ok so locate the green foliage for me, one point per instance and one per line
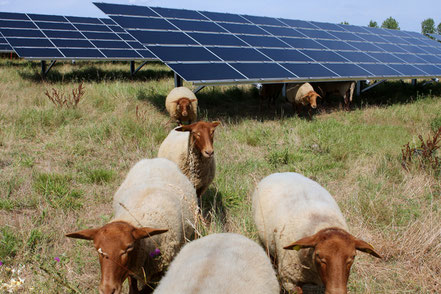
(34, 239)
(9, 243)
(100, 175)
(436, 123)
(57, 190)
(373, 24)
(390, 23)
(438, 29)
(428, 26)
(344, 22)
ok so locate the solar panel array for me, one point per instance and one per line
(4, 45)
(37, 36)
(436, 37)
(209, 47)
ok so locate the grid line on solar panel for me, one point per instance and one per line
(47, 34)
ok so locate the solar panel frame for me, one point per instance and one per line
(329, 49)
(65, 36)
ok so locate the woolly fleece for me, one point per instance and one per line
(287, 207)
(156, 194)
(200, 170)
(295, 93)
(219, 264)
(176, 94)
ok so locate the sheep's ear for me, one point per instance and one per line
(307, 242)
(215, 123)
(365, 247)
(193, 100)
(141, 233)
(84, 234)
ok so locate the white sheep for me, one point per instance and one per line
(155, 194)
(191, 148)
(289, 207)
(220, 264)
(301, 95)
(182, 105)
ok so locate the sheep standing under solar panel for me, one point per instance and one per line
(182, 105)
(341, 89)
(289, 207)
(301, 95)
(155, 198)
(220, 264)
(191, 148)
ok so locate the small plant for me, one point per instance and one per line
(141, 115)
(423, 156)
(59, 99)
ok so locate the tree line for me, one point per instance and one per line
(427, 25)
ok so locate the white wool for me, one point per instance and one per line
(286, 208)
(176, 94)
(295, 93)
(220, 264)
(339, 88)
(156, 194)
(200, 170)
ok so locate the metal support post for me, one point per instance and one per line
(43, 68)
(198, 89)
(358, 88)
(284, 90)
(414, 82)
(178, 81)
(132, 68)
(373, 85)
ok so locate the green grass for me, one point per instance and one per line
(59, 168)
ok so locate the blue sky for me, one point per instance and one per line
(409, 14)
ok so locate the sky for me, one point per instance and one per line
(408, 13)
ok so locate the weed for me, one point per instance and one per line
(424, 156)
(9, 242)
(60, 99)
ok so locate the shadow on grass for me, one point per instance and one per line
(396, 92)
(212, 206)
(95, 74)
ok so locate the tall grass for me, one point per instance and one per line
(59, 168)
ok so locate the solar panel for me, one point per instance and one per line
(436, 37)
(244, 48)
(36, 36)
(4, 45)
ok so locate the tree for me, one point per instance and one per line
(439, 28)
(344, 22)
(390, 23)
(428, 26)
(373, 24)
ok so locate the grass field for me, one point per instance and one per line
(59, 169)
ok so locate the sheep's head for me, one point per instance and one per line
(333, 255)
(184, 106)
(311, 97)
(115, 243)
(202, 135)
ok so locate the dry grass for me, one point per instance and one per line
(59, 169)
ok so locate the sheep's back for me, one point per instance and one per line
(175, 147)
(288, 207)
(220, 263)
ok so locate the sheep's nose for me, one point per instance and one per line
(314, 106)
(208, 153)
